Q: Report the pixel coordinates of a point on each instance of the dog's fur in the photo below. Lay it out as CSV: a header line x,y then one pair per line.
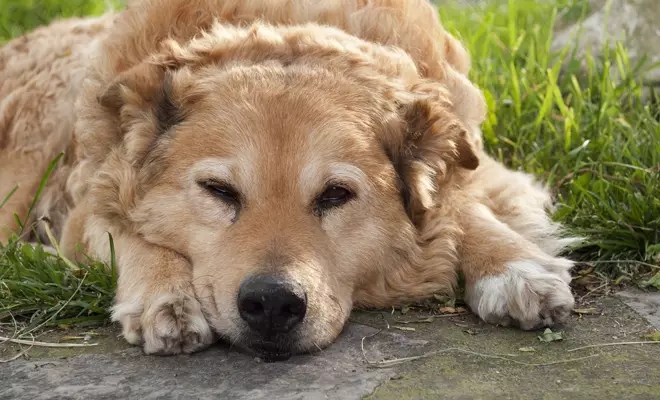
x,y
276,99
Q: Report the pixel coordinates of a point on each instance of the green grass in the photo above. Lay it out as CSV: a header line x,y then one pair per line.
x,y
588,136
21,16
39,289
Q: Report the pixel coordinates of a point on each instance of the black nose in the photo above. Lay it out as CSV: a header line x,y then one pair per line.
x,y
271,304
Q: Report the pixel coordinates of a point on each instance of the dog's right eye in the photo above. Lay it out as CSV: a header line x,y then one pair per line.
x,y
223,191
333,196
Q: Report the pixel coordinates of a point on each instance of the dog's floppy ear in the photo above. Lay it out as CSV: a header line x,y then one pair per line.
x,y
146,104
434,143
144,88
133,86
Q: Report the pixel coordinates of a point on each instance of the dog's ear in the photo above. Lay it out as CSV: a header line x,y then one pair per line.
x,y
135,86
144,88
432,145
146,103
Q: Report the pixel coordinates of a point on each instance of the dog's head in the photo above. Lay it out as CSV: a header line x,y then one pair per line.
x,y
293,167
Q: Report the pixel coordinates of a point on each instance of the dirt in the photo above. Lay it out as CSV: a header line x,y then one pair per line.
x,y
114,370
631,371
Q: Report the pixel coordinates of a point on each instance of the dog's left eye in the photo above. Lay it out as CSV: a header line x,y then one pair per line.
x,y
333,196
223,191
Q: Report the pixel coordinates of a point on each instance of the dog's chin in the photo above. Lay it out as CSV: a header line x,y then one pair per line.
x,y
276,348
271,352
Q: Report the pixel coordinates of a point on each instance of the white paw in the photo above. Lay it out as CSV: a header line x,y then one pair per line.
x,y
527,294
559,266
171,323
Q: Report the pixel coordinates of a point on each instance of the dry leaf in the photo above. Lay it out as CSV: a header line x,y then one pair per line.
x,y
653,336
653,281
72,338
417,321
550,336
445,300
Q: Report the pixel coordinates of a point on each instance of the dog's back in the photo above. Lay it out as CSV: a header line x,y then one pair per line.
x,y
412,25
40,77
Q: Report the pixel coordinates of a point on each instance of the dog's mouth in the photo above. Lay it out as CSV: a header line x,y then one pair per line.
x,y
271,352
274,348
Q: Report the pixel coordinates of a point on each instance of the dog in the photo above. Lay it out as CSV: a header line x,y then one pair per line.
x,y
264,166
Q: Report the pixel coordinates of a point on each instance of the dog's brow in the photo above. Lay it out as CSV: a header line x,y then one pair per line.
x,y
349,172
212,168
314,172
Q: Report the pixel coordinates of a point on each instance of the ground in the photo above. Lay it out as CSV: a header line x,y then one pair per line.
x,y
114,370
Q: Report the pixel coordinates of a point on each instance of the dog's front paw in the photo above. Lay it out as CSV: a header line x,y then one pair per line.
x,y
527,295
168,323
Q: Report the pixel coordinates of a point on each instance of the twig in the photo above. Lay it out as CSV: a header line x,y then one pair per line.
x,y
20,237
4,339
56,245
17,356
430,318
59,310
397,361
23,351
570,176
613,344
620,262
593,290
448,315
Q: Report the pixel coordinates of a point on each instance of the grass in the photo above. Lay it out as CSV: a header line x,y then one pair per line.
x,y
590,137
21,16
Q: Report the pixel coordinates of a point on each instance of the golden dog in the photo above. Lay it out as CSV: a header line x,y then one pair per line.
x,y
265,165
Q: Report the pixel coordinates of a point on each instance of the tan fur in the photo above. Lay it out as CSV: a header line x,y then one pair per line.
x,y
277,98
40,78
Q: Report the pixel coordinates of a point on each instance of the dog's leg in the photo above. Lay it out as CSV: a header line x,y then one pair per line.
x,y
155,301
510,279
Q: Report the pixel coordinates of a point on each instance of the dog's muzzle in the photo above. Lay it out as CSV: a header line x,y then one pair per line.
x,y
272,306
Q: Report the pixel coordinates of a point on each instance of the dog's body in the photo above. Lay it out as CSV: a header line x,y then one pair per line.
x,y
261,178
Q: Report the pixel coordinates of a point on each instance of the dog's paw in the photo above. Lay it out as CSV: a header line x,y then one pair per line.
x,y
527,295
170,323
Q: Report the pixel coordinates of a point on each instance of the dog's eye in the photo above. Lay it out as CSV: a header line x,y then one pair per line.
x,y
222,191
333,196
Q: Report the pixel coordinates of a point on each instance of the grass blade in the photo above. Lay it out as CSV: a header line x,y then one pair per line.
x,y
9,196
42,185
